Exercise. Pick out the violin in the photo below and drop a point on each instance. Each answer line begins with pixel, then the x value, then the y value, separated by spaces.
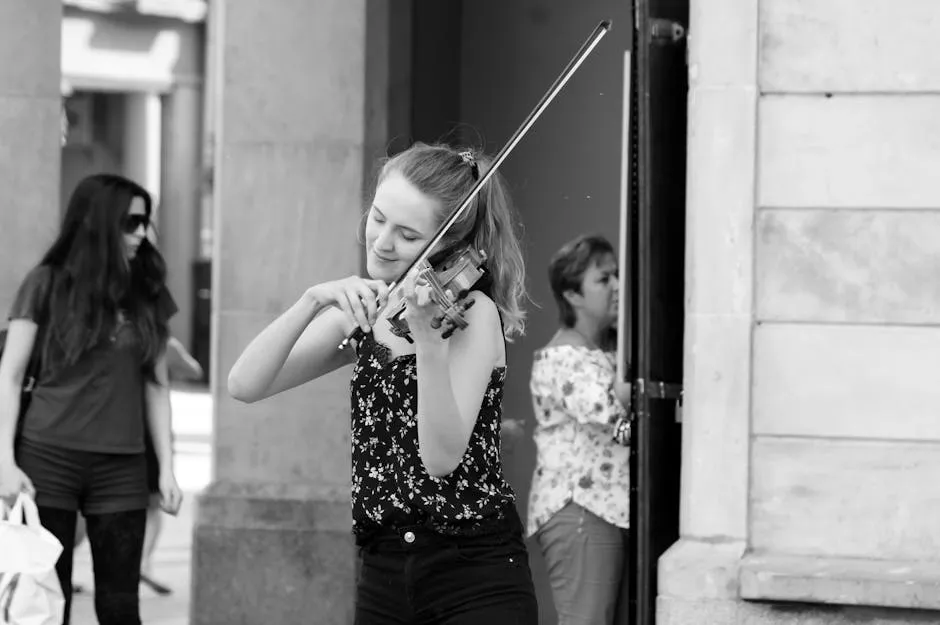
pixel 450 281
pixel 468 262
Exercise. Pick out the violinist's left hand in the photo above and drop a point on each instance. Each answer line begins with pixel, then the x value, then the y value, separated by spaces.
pixel 424 315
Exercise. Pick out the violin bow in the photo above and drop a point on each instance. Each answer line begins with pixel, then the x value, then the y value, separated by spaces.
pixel 579 57
pixel 625 269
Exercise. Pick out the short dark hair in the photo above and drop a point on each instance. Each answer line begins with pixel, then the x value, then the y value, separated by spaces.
pixel 567 267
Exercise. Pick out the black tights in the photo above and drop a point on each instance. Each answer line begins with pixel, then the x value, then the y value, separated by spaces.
pixel 117 542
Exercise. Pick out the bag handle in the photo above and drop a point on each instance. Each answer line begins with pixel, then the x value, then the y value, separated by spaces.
pixel 25 512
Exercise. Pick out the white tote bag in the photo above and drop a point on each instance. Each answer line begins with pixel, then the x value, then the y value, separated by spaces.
pixel 30 593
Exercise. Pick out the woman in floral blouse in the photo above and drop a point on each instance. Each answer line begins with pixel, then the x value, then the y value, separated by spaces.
pixel 440 540
pixel 579 507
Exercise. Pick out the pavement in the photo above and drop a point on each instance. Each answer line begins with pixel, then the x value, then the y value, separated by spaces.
pixel 192 425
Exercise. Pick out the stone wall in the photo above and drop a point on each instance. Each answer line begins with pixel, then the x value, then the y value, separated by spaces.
pixel 811 443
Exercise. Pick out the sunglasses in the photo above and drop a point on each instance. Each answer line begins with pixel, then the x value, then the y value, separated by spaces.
pixel 133 222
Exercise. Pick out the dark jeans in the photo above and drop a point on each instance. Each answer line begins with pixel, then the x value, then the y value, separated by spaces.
pixel 435 580
pixel 117 542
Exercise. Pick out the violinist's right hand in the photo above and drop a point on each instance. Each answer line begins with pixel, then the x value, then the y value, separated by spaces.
pixel 361 299
pixel 13 482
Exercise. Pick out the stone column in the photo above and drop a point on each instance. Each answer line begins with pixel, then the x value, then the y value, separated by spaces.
pixel 273 539
pixel 143 141
pixel 30 136
pixel 180 207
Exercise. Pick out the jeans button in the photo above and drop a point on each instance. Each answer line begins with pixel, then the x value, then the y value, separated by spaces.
pixel 409 537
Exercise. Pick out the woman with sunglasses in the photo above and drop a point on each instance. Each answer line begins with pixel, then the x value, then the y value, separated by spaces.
pixel 96 311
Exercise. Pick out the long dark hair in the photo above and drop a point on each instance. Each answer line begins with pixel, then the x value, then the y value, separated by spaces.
pixel 92 279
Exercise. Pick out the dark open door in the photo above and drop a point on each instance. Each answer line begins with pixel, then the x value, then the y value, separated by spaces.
pixel 656 244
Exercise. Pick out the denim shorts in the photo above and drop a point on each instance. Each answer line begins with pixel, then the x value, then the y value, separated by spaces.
pixel 86 481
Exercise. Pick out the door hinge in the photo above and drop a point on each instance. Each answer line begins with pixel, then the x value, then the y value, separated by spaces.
pixel 664 31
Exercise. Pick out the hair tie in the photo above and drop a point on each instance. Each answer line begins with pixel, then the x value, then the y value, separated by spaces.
pixel 468 158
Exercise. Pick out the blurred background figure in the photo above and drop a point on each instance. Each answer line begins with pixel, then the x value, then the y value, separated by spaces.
pixel 182 366
pixel 95 310
pixel 579 505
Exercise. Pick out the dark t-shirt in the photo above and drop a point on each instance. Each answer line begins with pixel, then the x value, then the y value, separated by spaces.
pixel 96 404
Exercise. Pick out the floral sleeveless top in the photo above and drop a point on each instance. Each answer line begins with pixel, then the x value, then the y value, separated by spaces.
pixel 390 486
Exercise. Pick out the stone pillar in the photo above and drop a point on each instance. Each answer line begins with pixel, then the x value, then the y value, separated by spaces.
pixel 698 580
pixel 143 141
pixel 273 541
pixel 30 136
pixel 180 207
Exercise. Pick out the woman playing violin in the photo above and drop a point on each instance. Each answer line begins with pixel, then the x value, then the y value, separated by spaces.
pixel 440 539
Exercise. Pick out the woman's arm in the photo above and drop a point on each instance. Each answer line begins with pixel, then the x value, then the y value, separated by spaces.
pixel 180 363
pixel 29 307
pixel 160 422
pixel 453 375
pixel 570 383
pixel 159 414
pixel 299 346
pixel 21 335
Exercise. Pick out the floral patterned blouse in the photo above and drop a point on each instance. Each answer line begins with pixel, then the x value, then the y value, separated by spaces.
pixel 577 459
pixel 390 486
